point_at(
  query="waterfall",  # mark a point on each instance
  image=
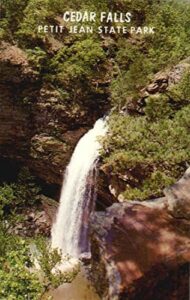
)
(70, 230)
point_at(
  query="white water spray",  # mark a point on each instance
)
(70, 230)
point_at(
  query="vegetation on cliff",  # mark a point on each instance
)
(88, 70)
(147, 146)
(148, 143)
(19, 255)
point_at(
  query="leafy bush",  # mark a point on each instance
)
(180, 93)
(148, 154)
(16, 281)
(10, 17)
(19, 278)
(79, 60)
(37, 57)
(16, 196)
(49, 261)
(139, 58)
(36, 13)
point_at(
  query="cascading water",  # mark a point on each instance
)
(70, 230)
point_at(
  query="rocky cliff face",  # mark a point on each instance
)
(15, 131)
(144, 247)
(37, 126)
(162, 82)
(40, 129)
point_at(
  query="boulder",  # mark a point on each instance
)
(37, 220)
(164, 80)
(143, 248)
(178, 197)
(15, 58)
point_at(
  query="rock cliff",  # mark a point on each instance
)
(143, 248)
(37, 127)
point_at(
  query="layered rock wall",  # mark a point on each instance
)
(37, 127)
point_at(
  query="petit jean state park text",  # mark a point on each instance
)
(94, 149)
(91, 17)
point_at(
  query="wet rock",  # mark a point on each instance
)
(105, 197)
(85, 258)
(50, 207)
(98, 274)
(145, 249)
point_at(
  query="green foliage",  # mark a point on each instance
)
(49, 261)
(171, 29)
(139, 58)
(149, 154)
(37, 57)
(180, 93)
(7, 197)
(127, 84)
(35, 14)
(16, 280)
(151, 187)
(26, 190)
(81, 60)
(11, 16)
(75, 69)
(18, 277)
(16, 196)
(160, 106)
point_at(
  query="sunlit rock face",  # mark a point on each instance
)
(178, 197)
(145, 247)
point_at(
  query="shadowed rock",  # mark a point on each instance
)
(38, 127)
